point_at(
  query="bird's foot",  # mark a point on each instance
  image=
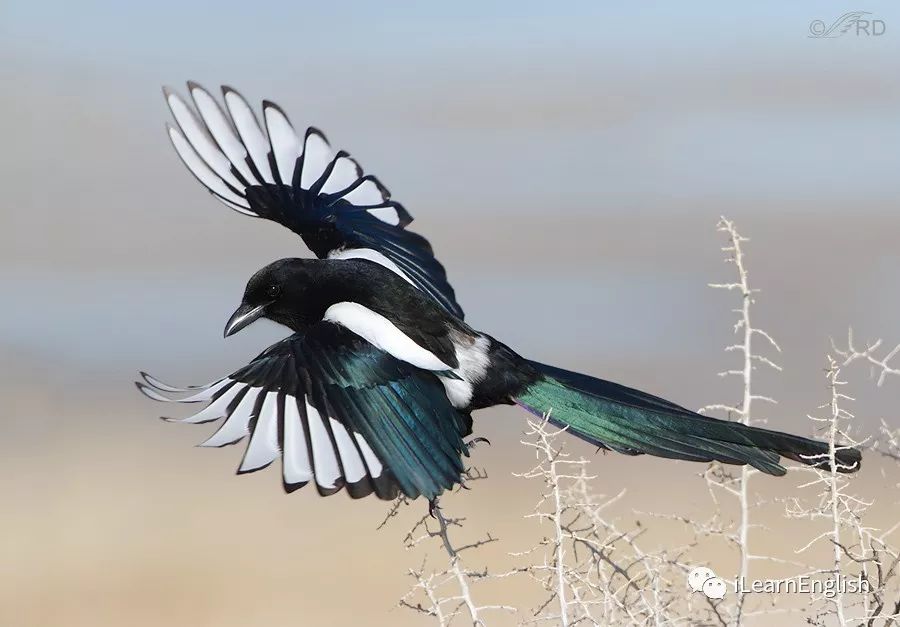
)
(475, 442)
(434, 509)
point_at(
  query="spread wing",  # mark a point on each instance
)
(339, 412)
(322, 195)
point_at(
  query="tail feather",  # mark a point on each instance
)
(629, 421)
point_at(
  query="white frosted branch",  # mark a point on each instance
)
(880, 365)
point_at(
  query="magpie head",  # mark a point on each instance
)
(280, 293)
(297, 292)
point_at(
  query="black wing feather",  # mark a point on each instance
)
(398, 430)
(356, 211)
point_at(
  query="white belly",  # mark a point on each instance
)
(473, 366)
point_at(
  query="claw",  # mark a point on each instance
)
(433, 508)
(475, 441)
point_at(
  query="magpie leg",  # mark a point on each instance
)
(475, 442)
(434, 509)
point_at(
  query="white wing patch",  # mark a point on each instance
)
(338, 453)
(228, 151)
(382, 333)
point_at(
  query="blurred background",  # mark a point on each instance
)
(568, 162)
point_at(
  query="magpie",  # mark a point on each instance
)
(373, 391)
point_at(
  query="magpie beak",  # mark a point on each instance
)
(244, 316)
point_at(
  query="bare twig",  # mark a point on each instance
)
(879, 365)
(447, 591)
(717, 478)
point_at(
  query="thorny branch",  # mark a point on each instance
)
(594, 570)
(445, 593)
(717, 477)
(842, 512)
(879, 365)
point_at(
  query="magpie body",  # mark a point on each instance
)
(381, 307)
(373, 391)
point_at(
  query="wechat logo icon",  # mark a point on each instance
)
(703, 579)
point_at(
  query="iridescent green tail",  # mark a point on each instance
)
(622, 419)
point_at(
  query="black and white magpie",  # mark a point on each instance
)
(373, 391)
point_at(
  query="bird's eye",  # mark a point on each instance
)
(274, 291)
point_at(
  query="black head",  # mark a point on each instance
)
(297, 292)
(279, 292)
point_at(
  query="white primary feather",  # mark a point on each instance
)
(206, 393)
(198, 137)
(325, 461)
(251, 135)
(165, 387)
(220, 145)
(366, 193)
(372, 462)
(344, 174)
(200, 393)
(286, 145)
(386, 214)
(214, 410)
(202, 171)
(354, 469)
(317, 155)
(263, 447)
(297, 467)
(222, 131)
(347, 455)
(382, 333)
(237, 424)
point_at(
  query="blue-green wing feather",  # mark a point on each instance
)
(401, 411)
